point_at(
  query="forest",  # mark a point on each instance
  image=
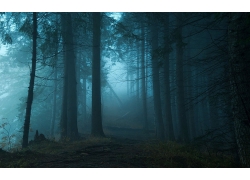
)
(125, 89)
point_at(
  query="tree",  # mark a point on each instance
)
(69, 107)
(156, 82)
(179, 80)
(169, 122)
(143, 80)
(239, 44)
(31, 85)
(96, 129)
(53, 118)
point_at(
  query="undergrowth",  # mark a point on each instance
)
(151, 154)
(54, 147)
(172, 154)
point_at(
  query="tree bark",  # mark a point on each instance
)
(239, 45)
(179, 81)
(69, 113)
(156, 82)
(84, 92)
(63, 122)
(96, 129)
(31, 85)
(190, 94)
(137, 74)
(169, 121)
(53, 119)
(143, 81)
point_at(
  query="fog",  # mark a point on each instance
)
(164, 76)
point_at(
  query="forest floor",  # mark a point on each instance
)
(112, 152)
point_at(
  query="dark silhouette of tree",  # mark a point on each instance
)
(96, 129)
(169, 121)
(239, 46)
(143, 76)
(31, 85)
(54, 110)
(156, 82)
(179, 81)
(184, 73)
(69, 107)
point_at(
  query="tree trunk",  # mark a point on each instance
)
(69, 113)
(169, 121)
(156, 82)
(190, 94)
(53, 119)
(137, 74)
(97, 129)
(179, 81)
(63, 122)
(239, 45)
(128, 74)
(84, 92)
(143, 81)
(31, 86)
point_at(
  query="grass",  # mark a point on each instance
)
(171, 154)
(151, 154)
(54, 147)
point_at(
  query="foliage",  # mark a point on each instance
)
(172, 154)
(91, 151)
(26, 28)
(54, 147)
(6, 39)
(8, 138)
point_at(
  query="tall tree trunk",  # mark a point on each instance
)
(239, 45)
(69, 117)
(96, 129)
(31, 85)
(213, 103)
(143, 80)
(72, 84)
(172, 77)
(63, 122)
(53, 119)
(137, 73)
(169, 121)
(156, 82)
(128, 74)
(84, 92)
(127, 79)
(190, 94)
(179, 81)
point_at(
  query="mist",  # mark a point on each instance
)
(144, 77)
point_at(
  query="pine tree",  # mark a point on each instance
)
(96, 129)
(31, 85)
